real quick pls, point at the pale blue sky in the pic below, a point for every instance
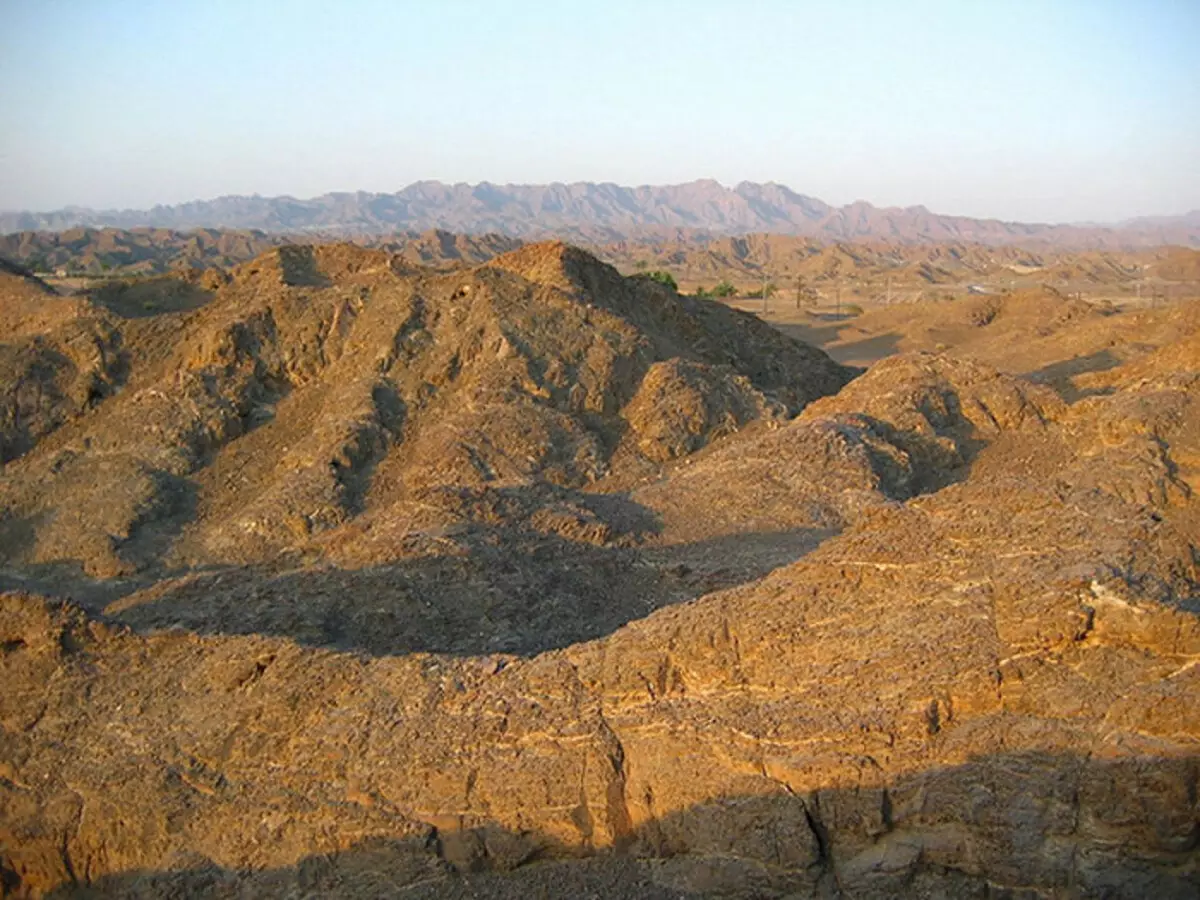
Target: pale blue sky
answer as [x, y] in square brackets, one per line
[1027, 109]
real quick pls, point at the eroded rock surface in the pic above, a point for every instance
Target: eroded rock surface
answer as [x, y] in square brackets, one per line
[936, 635]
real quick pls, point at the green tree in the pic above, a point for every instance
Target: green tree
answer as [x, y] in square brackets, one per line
[663, 278]
[805, 295]
[724, 289]
[758, 294]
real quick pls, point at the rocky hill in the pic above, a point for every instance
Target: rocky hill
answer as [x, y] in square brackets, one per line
[146, 251]
[340, 576]
[783, 258]
[871, 271]
[606, 212]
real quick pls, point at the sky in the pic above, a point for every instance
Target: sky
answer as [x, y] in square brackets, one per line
[1032, 110]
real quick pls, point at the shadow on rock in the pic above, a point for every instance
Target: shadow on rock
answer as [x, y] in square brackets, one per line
[1028, 823]
[501, 594]
[1059, 375]
[156, 296]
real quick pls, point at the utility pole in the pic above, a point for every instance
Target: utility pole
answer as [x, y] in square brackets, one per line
[838, 308]
[764, 292]
[889, 290]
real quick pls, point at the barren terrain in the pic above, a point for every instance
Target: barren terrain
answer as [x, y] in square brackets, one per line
[599, 213]
[487, 570]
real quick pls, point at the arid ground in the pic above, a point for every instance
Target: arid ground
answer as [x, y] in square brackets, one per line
[455, 567]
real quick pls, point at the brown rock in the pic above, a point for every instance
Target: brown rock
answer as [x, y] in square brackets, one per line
[935, 636]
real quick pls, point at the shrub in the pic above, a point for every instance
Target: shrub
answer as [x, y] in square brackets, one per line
[770, 290]
[663, 278]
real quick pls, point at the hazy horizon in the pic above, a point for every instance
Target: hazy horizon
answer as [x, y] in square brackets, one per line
[473, 184]
[1033, 112]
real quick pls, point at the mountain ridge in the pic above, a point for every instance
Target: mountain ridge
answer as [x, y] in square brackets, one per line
[607, 211]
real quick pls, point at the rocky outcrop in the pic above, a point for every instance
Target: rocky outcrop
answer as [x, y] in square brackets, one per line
[939, 696]
[321, 382]
[935, 635]
[58, 359]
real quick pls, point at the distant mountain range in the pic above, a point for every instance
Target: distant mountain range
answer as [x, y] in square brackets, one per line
[608, 212]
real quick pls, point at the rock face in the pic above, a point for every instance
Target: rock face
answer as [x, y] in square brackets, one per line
[59, 357]
[322, 382]
[532, 580]
[147, 251]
